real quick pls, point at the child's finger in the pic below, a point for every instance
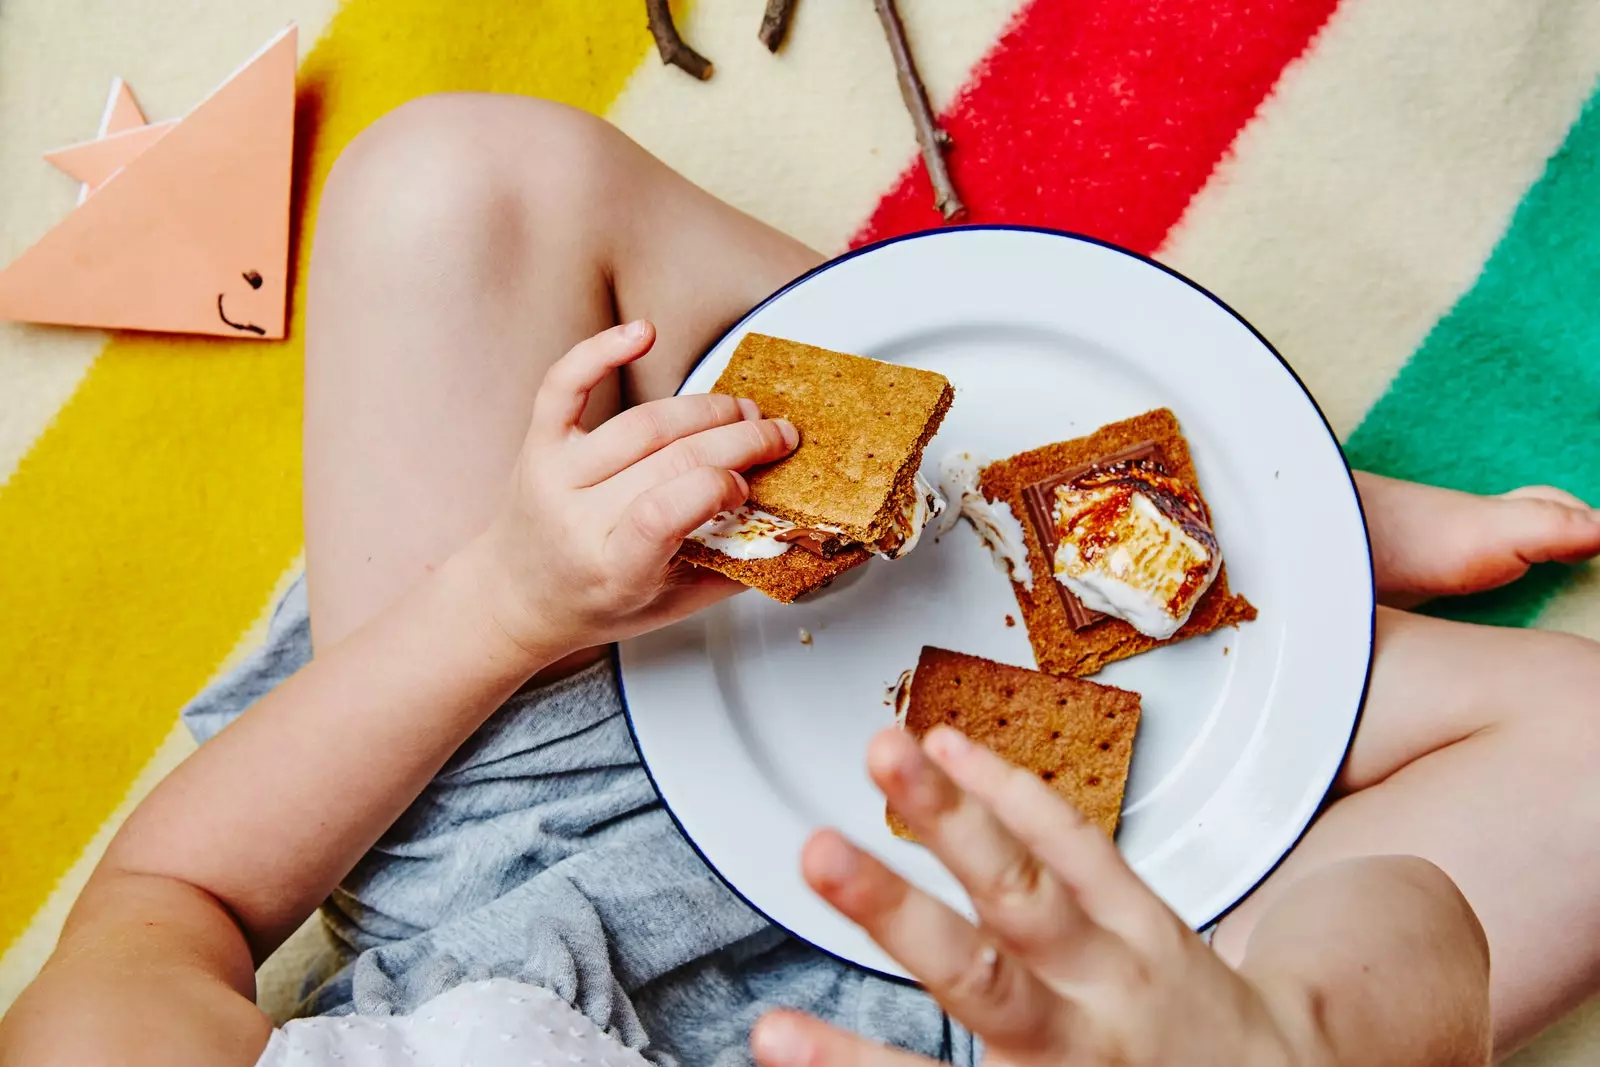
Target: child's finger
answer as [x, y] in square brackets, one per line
[569, 381]
[735, 446]
[991, 992]
[1018, 898]
[693, 592]
[654, 524]
[1075, 850]
[790, 1039]
[629, 437]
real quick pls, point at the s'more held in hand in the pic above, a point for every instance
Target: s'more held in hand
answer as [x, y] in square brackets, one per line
[850, 491]
[1076, 736]
[1107, 541]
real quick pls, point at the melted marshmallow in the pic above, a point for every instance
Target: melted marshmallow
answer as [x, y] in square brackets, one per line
[750, 533]
[744, 533]
[995, 522]
[926, 505]
[1122, 555]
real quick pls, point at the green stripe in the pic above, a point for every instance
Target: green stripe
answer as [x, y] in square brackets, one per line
[1505, 391]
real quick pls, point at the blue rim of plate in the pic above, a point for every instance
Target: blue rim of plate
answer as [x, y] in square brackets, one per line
[1333, 438]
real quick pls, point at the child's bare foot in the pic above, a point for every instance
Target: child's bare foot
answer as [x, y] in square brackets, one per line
[1429, 542]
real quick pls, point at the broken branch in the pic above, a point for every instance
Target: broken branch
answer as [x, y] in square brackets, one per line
[670, 45]
[930, 137]
[775, 23]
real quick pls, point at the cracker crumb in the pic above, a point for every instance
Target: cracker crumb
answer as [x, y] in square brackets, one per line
[805, 636]
[1010, 621]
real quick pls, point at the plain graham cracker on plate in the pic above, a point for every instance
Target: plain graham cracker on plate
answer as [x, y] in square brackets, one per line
[1057, 647]
[1076, 736]
[863, 426]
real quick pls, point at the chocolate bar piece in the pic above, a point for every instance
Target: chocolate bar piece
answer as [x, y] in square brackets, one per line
[1040, 500]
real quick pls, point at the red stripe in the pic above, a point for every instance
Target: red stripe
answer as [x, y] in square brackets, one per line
[1106, 116]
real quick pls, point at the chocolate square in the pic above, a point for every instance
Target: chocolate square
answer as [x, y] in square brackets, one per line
[1040, 500]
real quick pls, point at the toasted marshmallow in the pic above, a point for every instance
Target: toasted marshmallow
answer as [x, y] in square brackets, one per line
[958, 478]
[1134, 542]
[744, 533]
[898, 696]
[995, 522]
[926, 505]
[750, 533]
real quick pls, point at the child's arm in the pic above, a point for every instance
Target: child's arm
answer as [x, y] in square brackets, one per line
[1076, 962]
[243, 841]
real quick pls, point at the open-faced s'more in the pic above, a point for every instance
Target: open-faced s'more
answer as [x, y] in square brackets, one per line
[850, 491]
[1077, 736]
[1117, 551]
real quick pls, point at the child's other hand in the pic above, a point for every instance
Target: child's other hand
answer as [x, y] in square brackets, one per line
[1074, 961]
[582, 553]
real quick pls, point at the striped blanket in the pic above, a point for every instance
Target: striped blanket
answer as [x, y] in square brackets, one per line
[1403, 195]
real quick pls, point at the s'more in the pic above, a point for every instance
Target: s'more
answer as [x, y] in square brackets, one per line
[850, 491]
[1107, 540]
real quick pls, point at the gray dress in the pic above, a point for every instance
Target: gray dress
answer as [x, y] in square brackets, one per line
[541, 853]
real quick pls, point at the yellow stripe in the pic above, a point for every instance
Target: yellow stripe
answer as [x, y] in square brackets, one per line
[139, 536]
[20, 963]
[28, 952]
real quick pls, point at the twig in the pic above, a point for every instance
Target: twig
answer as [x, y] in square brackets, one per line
[670, 45]
[932, 139]
[775, 23]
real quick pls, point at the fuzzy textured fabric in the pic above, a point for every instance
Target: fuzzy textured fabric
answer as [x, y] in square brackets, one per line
[1398, 193]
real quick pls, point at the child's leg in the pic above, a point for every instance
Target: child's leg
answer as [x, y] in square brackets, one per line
[1480, 751]
[464, 243]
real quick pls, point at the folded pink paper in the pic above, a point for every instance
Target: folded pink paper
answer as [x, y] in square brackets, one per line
[184, 226]
[94, 162]
[122, 110]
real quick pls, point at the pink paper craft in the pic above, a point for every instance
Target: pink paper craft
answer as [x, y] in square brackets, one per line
[122, 110]
[188, 233]
[122, 114]
[93, 162]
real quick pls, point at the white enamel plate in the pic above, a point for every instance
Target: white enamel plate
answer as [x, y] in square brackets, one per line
[754, 738]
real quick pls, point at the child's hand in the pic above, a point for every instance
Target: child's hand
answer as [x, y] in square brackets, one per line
[1075, 961]
[582, 553]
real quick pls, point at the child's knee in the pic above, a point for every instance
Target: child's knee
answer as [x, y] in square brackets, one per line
[450, 180]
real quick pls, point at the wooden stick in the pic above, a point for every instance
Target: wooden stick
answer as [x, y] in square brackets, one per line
[670, 45]
[775, 23]
[930, 137]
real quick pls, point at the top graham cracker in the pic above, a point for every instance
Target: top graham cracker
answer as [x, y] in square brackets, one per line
[1076, 736]
[863, 425]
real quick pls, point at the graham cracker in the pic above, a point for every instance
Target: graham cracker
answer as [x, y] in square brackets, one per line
[863, 425]
[1057, 646]
[1076, 736]
[783, 578]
